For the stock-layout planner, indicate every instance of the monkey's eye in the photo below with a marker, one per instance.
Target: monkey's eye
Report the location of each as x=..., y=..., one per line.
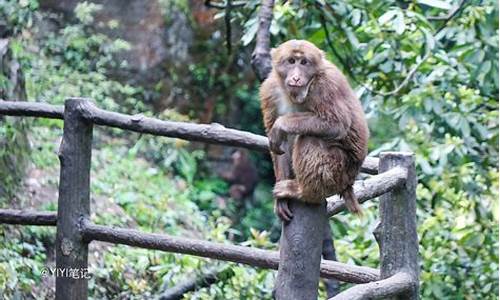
x=303, y=62
x=291, y=60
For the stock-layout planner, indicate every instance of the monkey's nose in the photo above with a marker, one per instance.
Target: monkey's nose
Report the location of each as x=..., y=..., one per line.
x=296, y=79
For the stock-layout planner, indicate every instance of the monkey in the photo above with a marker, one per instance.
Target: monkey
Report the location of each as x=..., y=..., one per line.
x=316, y=126
x=242, y=176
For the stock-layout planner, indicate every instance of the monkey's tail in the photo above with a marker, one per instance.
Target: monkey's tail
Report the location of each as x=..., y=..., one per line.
x=351, y=202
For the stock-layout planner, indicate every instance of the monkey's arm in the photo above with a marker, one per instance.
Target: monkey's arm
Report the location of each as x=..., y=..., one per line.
x=281, y=163
x=283, y=171
x=307, y=123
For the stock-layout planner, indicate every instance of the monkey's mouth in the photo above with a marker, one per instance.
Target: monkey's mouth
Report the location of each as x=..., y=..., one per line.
x=295, y=90
x=296, y=85
x=298, y=92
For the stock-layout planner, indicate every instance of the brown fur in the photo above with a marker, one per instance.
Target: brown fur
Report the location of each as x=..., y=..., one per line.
x=323, y=121
x=242, y=175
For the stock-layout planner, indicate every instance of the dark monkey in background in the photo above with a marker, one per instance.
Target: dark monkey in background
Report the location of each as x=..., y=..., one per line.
x=315, y=121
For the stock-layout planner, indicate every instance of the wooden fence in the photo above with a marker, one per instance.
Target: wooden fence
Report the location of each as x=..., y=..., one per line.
x=393, y=179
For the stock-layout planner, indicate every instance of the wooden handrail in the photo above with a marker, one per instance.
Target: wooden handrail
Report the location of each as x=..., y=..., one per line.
x=239, y=254
x=395, y=285
x=396, y=184
x=369, y=188
x=28, y=217
x=209, y=133
x=365, y=190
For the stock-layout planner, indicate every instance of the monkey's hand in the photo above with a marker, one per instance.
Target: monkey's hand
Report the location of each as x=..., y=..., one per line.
x=276, y=138
x=288, y=189
x=283, y=191
x=282, y=210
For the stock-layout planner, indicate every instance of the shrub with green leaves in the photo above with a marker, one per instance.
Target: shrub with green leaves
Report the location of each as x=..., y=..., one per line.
x=427, y=73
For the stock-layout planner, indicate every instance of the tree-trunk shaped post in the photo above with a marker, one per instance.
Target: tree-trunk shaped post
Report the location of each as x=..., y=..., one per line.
x=73, y=204
x=300, y=252
x=301, y=246
x=397, y=230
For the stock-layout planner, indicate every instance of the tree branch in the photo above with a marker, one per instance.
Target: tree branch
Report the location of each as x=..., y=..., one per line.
x=450, y=14
x=227, y=20
x=261, y=56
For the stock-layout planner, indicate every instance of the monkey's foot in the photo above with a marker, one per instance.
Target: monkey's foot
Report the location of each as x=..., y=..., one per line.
x=287, y=189
x=283, y=211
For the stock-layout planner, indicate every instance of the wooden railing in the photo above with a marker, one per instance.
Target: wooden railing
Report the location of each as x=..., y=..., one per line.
x=393, y=179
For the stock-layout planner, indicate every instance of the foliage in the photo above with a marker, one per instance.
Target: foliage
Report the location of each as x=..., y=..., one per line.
x=427, y=73
x=428, y=79
x=138, y=181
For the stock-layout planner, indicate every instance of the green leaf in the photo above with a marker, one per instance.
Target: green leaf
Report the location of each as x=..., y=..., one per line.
x=464, y=127
x=399, y=23
x=385, y=18
x=250, y=32
x=355, y=17
x=430, y=42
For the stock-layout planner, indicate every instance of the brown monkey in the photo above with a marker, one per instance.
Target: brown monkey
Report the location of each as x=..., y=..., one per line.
x=313, y=119
x=242, y=176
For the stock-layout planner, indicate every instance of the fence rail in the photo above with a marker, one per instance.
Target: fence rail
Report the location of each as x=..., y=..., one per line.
x=395, y=183
x=209, y=133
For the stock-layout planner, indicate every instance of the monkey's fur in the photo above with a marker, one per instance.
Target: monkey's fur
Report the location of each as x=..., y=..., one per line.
x=310, y=110
x=242, y=175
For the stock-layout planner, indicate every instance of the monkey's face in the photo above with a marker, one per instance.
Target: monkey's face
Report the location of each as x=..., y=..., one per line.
x=297, y=63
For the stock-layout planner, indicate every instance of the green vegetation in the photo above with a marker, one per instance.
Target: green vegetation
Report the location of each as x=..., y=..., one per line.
x=428, y=82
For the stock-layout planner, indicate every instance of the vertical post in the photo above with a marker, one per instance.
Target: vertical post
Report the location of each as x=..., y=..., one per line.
x=328, y=251
x=73, y=203
x=397, y=230
x=300, y=252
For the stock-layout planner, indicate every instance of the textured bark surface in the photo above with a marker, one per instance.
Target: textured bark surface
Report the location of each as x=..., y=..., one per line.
x=213, y=133
x=396, y=234
x=370, y=165
x=397, y=230
x=261, y=56
x=300, y=252
x=239, y=254
x=369, y=188
x=397, y=284
x=74, y=201
x=328, y=252
x=31, y=109
x=14, y=216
